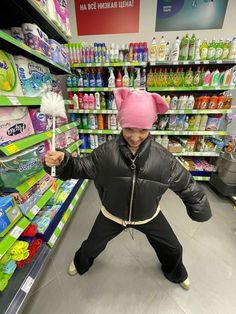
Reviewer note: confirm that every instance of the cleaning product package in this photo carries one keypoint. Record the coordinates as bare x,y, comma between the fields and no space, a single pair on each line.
9,214
43,148
36,38
35,78
17,168
9,81
15,123
55,50
17,33
39,120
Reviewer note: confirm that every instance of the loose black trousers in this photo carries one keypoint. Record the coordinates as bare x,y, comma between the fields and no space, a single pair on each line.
159,234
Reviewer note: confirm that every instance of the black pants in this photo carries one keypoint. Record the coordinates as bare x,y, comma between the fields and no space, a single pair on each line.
159,234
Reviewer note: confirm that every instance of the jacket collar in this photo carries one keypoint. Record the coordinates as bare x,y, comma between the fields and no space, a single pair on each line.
141,155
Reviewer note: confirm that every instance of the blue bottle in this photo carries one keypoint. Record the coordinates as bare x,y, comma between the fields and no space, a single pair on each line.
74,81
109,102
99,82
92,79
69,81
140,54
85,79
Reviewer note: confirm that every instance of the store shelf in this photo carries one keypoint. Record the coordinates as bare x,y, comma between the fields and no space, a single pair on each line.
74,146
10,238
99,89
25,101
192,62
20,286
86,150
174,111
27,11
54,237
24,187
108,64
83,131
32,140
193,88
15,47
199,178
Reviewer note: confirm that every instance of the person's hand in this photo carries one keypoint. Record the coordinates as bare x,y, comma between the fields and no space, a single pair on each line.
54,158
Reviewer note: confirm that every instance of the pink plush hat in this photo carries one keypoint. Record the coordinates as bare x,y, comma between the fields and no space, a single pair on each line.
138,109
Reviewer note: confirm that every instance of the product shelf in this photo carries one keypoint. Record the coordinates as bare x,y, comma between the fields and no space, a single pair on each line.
192,62
86,150
24,187
25,101
20,285
108,64
193,88
157,132
199,178
9,239
13,46
99,89
32,140
74,146
28,11
67,214
171,111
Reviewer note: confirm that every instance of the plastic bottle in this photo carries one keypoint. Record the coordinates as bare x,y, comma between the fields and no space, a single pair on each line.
168,99
165,141
91,101
135,52
211,50
137,81
97,101
181,102
102,102
196,77
203,122
174,55
95,53
86,101
182,77
190,102
99,53
92,121
143,78
100,122
126,53
170,78
219,50
113,122
220,102
140,53
80,78
191,51
69,81
233,78
104,53
215,79
74,81
85,79
185,47
227,78
204,50
213,103
226,49
116,53
207,78
130,55
153,51
91,141
85,121
167,57
158,139
91,54
111,80
161,50
119,80
112,52
188,80
131,78
181,48
232,52
197,49
122,53
92,81
125,80
174,103
98,80
109,101
145,53
80,101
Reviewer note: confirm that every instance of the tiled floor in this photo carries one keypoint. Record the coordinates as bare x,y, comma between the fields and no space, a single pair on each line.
126,278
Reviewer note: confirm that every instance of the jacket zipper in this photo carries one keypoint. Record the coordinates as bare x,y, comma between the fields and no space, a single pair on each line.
133,168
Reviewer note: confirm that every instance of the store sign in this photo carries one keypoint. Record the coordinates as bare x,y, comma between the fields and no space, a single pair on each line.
190,14
107,17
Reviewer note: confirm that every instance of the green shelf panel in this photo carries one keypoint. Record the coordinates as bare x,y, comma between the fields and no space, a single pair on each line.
74,146
43,201
192,62
86,150
199,178
99,131
30,182
67,127
9,44
107,64
98,111
99,89
67,214
19,101
182,88
7,242
200,154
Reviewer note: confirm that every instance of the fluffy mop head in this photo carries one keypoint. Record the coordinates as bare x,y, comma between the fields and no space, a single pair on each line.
53,105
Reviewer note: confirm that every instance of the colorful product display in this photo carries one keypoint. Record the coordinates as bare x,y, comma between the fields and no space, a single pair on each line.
9,214
39,120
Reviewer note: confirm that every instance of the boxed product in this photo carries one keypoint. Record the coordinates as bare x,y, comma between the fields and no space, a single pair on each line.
17,168
9,214
39,120
213,123
35,78
61,140
15,123
43,148
45,216
9,81
71,136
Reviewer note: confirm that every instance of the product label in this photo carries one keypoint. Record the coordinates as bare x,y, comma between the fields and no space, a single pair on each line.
27,285
16,129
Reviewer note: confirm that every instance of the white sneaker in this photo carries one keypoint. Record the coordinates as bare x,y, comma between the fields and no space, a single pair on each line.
185,284
72,270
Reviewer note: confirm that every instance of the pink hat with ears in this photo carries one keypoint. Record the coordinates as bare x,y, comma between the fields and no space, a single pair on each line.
138,109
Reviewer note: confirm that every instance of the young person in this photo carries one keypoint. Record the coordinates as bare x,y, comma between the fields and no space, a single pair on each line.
131,173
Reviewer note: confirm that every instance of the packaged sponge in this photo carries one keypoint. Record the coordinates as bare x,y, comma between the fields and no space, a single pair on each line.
9,81
15,124
35,78
16,169
9,214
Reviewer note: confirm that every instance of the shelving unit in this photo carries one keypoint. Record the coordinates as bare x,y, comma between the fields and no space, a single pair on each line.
192,62
108,64
24,101
186,89
98,89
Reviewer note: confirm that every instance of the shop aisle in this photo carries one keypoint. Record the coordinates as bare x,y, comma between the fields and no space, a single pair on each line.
126,278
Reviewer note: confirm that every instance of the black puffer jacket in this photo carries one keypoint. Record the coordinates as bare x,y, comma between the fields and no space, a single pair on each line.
131,190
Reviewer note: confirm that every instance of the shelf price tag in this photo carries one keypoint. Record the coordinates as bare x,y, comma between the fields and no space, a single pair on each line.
185,62
54,187
16,232
99,131
106,64
92,89
34,210
218,61
175,62
14,101
197,62
31,181
88,64
206,62
60,225
53,239
12,149
27,285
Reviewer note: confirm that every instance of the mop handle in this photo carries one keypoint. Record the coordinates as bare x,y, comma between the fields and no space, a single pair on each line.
53,169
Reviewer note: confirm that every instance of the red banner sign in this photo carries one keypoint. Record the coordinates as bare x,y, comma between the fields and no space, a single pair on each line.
107,17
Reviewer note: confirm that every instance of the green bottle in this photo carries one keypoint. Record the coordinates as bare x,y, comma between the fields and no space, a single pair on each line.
226,49
185,48
170,78
181,48
196,77
181,77
219,49
188,80
211,50
204,50
192,44
202,75
176,78
165,78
